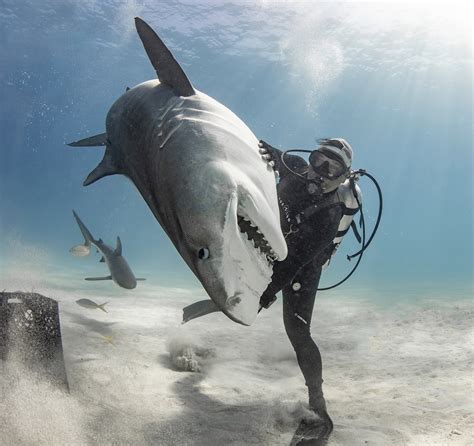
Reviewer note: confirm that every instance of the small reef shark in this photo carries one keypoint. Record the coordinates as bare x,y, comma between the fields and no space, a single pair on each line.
120,271
198,167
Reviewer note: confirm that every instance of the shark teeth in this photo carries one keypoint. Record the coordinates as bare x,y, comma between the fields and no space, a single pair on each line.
255,236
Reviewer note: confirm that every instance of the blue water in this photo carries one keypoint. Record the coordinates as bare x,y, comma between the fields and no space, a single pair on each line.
395,81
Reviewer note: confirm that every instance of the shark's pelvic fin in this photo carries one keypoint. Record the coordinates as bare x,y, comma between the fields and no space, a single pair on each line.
118,248
92,141
105,168
167,68
99,278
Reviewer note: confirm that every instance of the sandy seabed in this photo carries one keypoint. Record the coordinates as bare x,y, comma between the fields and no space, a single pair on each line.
393,376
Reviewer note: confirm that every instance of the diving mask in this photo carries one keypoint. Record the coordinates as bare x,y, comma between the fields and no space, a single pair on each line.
326,166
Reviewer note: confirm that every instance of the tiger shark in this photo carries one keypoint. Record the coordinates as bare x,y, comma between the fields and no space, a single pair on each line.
198,167
120,271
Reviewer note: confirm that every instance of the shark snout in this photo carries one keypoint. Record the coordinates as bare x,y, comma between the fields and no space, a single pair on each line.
244,268
129,284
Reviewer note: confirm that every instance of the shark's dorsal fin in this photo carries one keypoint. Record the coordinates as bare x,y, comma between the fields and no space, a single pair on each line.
118,248
106,167
92,141
167,68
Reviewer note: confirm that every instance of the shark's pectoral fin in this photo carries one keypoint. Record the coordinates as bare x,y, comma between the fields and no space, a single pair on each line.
118,247
167,68
140,278
102,260
92,141
99,278
198,309
105,168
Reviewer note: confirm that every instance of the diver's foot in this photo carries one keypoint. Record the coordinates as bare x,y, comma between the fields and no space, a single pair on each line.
314,431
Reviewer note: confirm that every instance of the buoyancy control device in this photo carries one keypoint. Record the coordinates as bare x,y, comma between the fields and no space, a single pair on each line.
351,200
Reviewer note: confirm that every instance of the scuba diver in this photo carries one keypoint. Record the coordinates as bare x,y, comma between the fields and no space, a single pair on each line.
317,202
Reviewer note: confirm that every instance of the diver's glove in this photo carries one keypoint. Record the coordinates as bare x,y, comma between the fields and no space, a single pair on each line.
268,154
266,301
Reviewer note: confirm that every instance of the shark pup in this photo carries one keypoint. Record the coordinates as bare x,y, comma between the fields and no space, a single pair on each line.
198,167
120,271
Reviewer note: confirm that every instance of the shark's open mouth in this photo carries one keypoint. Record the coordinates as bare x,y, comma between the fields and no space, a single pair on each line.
254,235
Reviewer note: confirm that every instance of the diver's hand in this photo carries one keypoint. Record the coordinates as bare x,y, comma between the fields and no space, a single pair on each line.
266,152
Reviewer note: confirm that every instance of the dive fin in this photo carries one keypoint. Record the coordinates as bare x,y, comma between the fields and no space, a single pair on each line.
167,68
99,278
102,260
118,248
198,309
85,232
92,141
106,167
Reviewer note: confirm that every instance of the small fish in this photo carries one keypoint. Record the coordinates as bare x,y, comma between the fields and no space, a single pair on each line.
80,250
87,303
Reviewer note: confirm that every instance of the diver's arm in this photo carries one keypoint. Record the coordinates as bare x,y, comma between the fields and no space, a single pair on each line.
300,253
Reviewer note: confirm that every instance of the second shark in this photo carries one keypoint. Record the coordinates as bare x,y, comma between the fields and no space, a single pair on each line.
120,271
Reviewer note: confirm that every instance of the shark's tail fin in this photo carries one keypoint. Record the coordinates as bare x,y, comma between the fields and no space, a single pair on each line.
85,232
101,307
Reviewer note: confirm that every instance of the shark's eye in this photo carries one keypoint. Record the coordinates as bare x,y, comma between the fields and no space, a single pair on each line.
203,253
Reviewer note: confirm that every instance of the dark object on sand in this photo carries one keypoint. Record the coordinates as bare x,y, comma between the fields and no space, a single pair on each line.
30,336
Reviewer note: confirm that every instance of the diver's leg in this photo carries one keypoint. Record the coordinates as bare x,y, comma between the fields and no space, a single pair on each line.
298,303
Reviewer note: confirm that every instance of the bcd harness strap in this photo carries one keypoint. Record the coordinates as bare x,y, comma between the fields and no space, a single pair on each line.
349,211
314,208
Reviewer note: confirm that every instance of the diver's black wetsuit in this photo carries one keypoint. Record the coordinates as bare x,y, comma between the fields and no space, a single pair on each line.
309,246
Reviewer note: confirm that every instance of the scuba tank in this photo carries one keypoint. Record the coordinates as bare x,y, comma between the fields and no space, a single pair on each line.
353,177
350,208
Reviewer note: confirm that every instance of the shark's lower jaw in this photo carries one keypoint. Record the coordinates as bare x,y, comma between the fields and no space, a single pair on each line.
258,250
252,233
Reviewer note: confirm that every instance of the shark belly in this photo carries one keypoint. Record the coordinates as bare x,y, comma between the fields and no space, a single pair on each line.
121,272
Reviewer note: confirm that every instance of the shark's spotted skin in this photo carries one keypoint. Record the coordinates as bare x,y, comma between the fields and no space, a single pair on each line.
198,167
